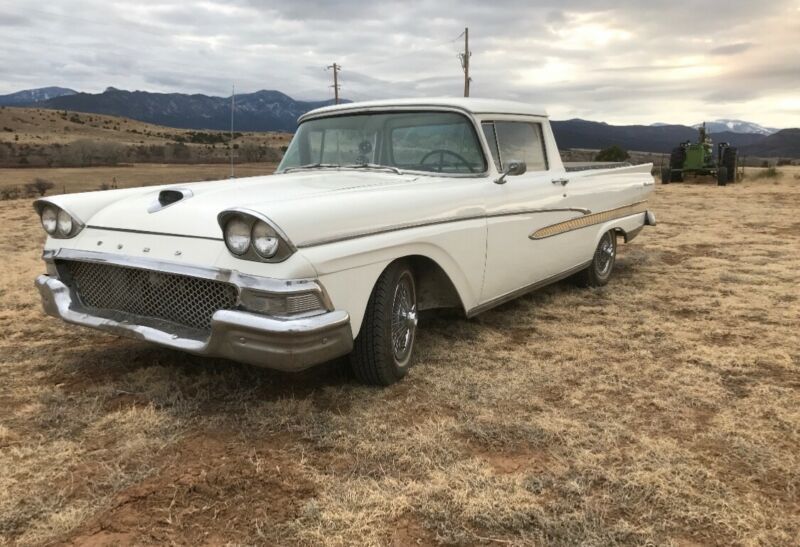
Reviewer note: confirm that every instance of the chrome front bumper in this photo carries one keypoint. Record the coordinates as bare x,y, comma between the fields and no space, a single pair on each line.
283,344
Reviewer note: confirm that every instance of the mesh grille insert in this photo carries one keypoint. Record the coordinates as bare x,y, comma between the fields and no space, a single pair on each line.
182,299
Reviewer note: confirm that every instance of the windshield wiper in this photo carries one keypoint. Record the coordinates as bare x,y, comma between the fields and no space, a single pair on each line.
372,166
312,166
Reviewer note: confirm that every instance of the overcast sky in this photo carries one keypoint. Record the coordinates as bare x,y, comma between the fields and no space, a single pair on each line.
626,61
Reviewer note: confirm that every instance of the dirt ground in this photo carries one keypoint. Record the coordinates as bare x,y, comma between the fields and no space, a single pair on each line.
661,409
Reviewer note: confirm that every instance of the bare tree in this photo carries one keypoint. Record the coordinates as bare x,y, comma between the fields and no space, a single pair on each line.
39,186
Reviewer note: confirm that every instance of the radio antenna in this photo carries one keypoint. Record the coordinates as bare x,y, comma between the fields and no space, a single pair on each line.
233,107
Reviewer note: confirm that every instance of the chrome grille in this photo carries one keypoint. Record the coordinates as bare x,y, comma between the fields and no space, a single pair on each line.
182,299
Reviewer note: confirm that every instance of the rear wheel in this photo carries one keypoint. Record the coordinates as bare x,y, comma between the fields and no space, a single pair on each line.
666,175
731,163
722,176
677,158
599,271
383,350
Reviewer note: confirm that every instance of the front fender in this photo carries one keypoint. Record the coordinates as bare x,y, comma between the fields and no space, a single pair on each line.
349,269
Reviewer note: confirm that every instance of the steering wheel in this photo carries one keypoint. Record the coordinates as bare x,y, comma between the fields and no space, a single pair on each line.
442,152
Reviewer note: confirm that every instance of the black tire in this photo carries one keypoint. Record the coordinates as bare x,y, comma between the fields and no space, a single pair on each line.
599,271
374,359
677,158
675,176
666,175
722,176
730,159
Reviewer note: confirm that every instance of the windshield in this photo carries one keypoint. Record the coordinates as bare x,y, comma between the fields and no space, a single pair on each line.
441,142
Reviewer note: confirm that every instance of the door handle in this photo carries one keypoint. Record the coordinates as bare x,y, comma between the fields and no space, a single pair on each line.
562,182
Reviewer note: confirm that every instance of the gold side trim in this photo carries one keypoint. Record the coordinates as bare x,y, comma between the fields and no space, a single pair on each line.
588,220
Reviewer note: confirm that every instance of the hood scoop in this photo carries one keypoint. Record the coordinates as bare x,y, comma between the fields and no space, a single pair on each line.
168,197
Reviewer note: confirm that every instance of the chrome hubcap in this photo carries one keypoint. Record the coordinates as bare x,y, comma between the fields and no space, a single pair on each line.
404,319
604,255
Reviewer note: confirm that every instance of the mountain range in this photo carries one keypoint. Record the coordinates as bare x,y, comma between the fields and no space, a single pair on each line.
269,110
30,96
736,126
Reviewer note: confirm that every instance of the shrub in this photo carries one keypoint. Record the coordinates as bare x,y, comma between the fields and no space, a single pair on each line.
10,192
612,153
39,186
85,152
768,173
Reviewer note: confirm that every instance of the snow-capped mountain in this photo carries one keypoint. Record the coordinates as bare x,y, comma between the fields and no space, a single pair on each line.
737,126
29,96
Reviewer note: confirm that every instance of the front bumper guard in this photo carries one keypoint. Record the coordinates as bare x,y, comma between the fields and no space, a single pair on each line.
282,344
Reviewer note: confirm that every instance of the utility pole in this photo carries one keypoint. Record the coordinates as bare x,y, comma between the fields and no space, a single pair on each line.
230,144
336,68
465,62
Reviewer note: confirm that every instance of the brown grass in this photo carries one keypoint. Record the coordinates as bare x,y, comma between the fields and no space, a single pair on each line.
77,179
663,408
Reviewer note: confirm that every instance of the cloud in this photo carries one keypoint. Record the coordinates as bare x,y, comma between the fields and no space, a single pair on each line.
630,61
732,49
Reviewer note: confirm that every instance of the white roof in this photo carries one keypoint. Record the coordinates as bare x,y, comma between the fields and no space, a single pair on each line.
468,104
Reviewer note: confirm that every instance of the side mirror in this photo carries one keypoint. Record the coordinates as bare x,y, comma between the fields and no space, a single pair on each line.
514,168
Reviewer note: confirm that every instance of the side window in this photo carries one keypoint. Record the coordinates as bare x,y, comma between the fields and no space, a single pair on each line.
521,141
491,140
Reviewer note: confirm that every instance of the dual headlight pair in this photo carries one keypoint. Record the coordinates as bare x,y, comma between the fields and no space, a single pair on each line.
57,222
252,237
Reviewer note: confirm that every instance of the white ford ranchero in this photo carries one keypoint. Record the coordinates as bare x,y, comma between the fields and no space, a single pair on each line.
377,211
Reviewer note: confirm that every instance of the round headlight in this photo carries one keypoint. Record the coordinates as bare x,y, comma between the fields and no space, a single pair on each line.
64,223
49,220
265,240
237,236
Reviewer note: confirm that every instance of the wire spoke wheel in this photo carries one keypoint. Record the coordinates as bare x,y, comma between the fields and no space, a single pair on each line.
404,320
604,255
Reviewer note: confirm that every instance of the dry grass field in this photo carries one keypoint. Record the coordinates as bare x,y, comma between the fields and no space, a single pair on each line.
68,180
662,409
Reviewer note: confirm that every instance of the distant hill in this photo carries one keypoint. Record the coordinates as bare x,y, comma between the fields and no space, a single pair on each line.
644,138
784,143
260,111
30,96
39,137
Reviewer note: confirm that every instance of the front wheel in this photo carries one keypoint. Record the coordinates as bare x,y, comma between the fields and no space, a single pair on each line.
599,271
383,349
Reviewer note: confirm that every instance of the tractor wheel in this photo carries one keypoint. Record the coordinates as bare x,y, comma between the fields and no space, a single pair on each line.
666,175
722,176
730,160
676,176
677,158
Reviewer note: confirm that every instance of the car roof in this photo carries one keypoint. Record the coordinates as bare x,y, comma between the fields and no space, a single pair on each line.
467,104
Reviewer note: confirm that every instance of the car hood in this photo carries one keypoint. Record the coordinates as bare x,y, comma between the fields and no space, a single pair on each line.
288,199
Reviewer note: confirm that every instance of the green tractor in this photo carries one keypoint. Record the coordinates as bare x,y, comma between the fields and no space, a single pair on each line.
699,159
